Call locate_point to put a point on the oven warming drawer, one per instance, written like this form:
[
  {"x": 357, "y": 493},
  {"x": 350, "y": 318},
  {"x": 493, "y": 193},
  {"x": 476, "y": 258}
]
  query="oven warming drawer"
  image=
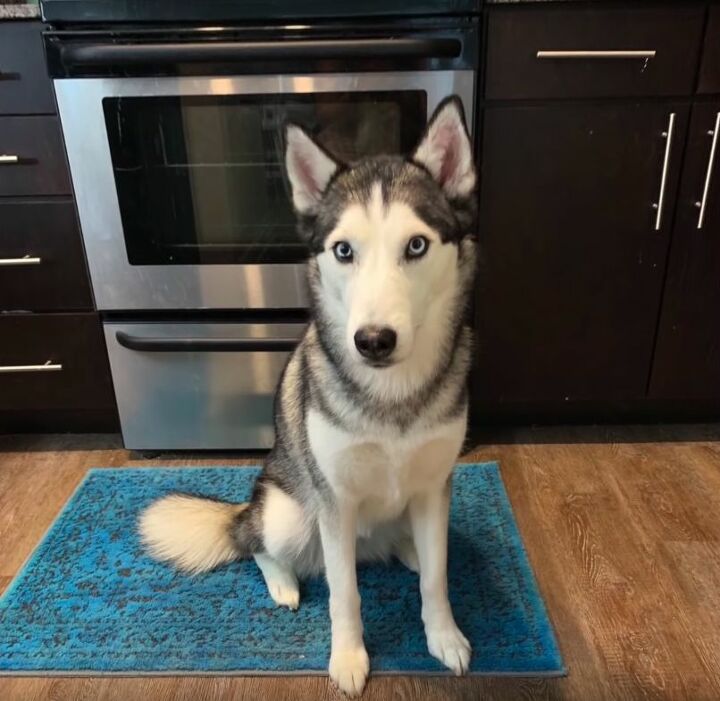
[{"x": 190, "y": 386}]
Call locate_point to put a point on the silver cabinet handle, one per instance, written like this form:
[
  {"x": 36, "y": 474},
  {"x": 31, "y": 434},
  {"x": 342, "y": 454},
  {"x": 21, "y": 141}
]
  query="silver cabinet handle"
[
  {"x": 25, "y": 260},
  {"x": 5, "y": 158},
  {"x": 667, "y": 135},
  {"x": 650, "y": 53},
  {"x": 708, "y": 175},
  {"x": 47, "y": 367}
]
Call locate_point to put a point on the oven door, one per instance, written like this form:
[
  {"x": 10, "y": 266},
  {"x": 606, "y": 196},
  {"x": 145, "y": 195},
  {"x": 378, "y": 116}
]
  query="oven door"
[
  {"x": 179, "y": 181},
  {"x": 184, "y": 386}
]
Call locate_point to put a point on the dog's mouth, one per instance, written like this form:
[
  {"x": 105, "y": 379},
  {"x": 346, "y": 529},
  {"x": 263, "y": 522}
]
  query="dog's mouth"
[{"x": 379, "y": 364}]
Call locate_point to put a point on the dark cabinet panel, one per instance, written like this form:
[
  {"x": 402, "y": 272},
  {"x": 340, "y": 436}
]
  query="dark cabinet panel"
[
  {"x": 516, "y": 35},
  {"x": 687, "y": 358},
  {"x": 24, "y": 84},
  {"x": 42, "y": 267},
  {"x": 72, "y": 345},
  {"x": 570, "y": 284},
  {"x": 710, "y": 68},
  {"x": 33, "y": 157}
]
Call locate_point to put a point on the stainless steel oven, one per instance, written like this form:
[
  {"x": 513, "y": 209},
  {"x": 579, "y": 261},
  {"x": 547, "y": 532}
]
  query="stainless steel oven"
[
  {"x": 179, "y": 183},
  {"x": 175, "y": 143}
]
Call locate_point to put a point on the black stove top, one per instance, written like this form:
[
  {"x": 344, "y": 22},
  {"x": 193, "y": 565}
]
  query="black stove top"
[{"x": 176, "y": 11}]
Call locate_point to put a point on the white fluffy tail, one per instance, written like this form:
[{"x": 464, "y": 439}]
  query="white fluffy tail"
[{"x": 191, "y": 532}]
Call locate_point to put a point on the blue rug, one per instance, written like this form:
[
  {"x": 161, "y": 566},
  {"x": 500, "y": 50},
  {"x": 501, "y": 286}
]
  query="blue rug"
[{"x": 89, "y": 601}]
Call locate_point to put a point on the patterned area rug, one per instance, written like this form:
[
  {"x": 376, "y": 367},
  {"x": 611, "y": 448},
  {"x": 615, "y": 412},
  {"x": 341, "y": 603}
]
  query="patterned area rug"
[{"x": 89, "y": 601}]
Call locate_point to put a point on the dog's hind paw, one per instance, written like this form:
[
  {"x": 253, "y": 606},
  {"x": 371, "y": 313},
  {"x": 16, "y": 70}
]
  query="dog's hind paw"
[
  {"x": 281, "y": 581},
  {"x": 450, "y": 646},
  {"x": 349, "y": 669},
  {"x": 285, "y": 594}
]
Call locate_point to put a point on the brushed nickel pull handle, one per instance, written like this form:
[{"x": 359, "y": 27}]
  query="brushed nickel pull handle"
[
  {"x": 25, "y": 260},
  {"x": 667, "y": 135},
  {"x": 648, "y": 53},
  {"x": 47, "y": 367},
  {"x": 708, "y": 175},
  {"x": 8, "y": 159}
]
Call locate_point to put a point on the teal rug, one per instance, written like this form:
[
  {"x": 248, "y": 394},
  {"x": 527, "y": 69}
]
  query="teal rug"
[{"x": 90, "y": 601}]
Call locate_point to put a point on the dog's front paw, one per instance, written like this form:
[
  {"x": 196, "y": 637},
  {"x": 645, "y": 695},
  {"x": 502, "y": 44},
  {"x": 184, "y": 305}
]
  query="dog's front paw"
[
  {"x": 450, "y": 646},
  {"x": 349, "y": 669}
]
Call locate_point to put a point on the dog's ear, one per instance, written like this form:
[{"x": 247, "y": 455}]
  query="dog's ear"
[
  {"x": 445, "y": 150},
  {"x": 309, "y": 168}
]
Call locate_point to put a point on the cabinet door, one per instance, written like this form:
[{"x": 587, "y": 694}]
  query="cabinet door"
[
  {"x": 687, "y": 357},
  {"x": 574, "y": 246}
]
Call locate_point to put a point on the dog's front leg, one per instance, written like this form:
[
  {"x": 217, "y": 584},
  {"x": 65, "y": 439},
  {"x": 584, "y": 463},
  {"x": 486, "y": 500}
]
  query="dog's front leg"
[
  {"x": 349, "y": 664},
  {"x": 429, "y": 514}
]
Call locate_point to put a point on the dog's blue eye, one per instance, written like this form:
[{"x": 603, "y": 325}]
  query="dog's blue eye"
[
  {"x": 417, "y": 247},
  {"x": 343, "y": 251}
]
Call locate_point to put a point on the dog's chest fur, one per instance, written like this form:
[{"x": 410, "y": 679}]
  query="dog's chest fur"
[{"x": 380, "y": 470}]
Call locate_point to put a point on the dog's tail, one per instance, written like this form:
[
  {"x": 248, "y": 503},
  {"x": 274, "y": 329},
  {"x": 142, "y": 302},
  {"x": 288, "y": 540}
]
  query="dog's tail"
[{"x": 193, "y": 533}]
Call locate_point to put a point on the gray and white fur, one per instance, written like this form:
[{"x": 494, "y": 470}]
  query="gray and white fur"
[{"x": 370, "y": 414}]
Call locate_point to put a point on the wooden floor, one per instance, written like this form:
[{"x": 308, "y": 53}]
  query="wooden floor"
[{"x": 622, "y": 527}]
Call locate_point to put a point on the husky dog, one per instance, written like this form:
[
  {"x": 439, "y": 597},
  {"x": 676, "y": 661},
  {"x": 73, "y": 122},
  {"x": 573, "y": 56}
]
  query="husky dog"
[{"x": 370, "y": 414}]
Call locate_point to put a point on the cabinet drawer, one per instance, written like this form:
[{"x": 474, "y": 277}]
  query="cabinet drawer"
[
  {"x": 555, "y": 52},
  {"x": 710, "y": 67},
  {"x": 70, "y": 346},
  {"x": 32, "y": 157},
  {"x": 24, "y": 84},
  {"x": 42, "y": 267}
]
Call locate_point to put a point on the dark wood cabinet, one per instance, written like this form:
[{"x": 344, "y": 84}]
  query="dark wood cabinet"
[
  {"x": 572, "y": 261},
  {"x": 54, "y": 370},
  {"x": 586, "y": 309},
  {"x": 687, "y": 359}
]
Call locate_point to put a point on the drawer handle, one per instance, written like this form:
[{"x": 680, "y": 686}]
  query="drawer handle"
[
  {"x": 597, "y": 54},
  {"x": 708, "y": 175},
  {"x": 25, "y": 260},
  {"x": 47, "y": 367},
  {"x": 667, "y": 135},
  {"x": 8, "y": 159},
  {"x": 207, "y": 345}
]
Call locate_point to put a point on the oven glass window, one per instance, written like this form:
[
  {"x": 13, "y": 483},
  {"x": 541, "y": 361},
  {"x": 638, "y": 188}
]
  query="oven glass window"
[{"x": 200, "y": 178}]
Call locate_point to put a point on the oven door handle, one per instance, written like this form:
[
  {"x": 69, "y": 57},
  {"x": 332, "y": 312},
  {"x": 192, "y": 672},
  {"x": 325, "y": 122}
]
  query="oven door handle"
[
  {"x": 229, "y": 51},
  {"x": 206, "y": 345}
]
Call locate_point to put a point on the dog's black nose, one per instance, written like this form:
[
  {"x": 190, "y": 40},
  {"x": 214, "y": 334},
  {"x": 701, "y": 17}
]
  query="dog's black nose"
[{"x": 375, "y": 342}]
